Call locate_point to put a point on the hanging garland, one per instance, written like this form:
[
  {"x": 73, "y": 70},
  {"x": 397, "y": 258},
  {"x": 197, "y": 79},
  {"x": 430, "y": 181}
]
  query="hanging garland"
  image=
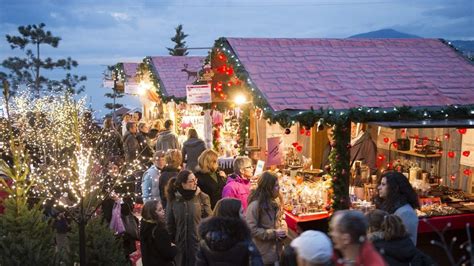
[{"x": 147, "y": 71}]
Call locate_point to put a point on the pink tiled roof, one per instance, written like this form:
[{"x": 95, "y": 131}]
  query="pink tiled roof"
[
  {"x": 130, "y": 69},
  {"x": 172, "y": 78},
  {"x": 344, "y": 73}
]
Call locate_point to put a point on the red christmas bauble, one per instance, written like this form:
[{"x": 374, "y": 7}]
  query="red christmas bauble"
[
  {"x": 295, "y": 144},
  {"x": 451, "y": 154},
  {"x": 462, "y": 130},
  {"x": 452, "y": 177},
  {"x": 299, "y": 148},
  {"x": 302, "y": 131},
  {"x": 466, "y": 153},
  {"x": 386, "y": 140},
  {"x": 446, "y": 136},
  {"x": 395, "y": 145},
  {"x": 308, "y": 133},
  {"x": 467, "y": 171}
]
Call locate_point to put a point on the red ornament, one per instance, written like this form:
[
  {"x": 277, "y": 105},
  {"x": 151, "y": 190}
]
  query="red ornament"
[
  {"x": 295, "y": 144},
  {"x": 451, "y": 154},
  {"x": 229, "y": 71},
  {"x": 390, "y": 166},
  {"x": 403, "y": 131},
  {"x": 395, "y": 145},
  {"x": 467, "y": 171},
  {"x": 438, "y": 139},
  {"x": 381, "y": 157},
  {"x": 462, "y": 130},
  {"x": 229, "y": 84},
  {"x": 308, "y": 133},
  {"x": 221, "y": 56},
  {"x": 466, "y": 153},
  {"x": 302, "y": 131},
  {"x": 386, "y": 140},
  {"x": 299, "y": 148},
  {"x": 446, "y": 136},
  {"x": 416, "y": 137},
  {"x": 452, "y": 177},
  {"x": 287, "y": 131}
]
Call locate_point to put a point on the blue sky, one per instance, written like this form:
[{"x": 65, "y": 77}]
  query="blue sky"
[{"x": 98, "y": 33}]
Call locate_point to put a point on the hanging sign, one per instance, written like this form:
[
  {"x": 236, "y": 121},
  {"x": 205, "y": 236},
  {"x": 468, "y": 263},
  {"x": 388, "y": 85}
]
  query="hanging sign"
[
  {"x": 275, "y": 151},
  {"x": 198, "y": 94},
  {"x": 467, "y": 148}
]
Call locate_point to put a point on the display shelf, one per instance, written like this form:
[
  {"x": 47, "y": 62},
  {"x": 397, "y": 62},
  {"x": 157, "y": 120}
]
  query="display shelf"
[{"x": 412, "y": 153}]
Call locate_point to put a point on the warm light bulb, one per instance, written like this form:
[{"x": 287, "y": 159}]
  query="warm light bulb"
[{"x": 240, "y": 99}]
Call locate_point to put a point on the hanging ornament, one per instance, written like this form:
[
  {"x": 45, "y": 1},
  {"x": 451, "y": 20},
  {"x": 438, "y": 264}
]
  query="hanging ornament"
[
  {"x": 287, "y": 131},
  {"x": 202, "y": 113},
  {"x": 467, "y": 171},
  {"x": 451, "y": 154},
  {"x": 438, "y": 139},
  {"x": 446, "y": 136},
  {"x": 302, "y": 131},
  {"x": 403, "y": 131},
  {"x": 381, "y": 157},
  {"x": 466, "y": 153},
  {"x": 308, "y": 133},
  {"x": 390, "y": 165},
  {"x": 386, "y": 140},
  {"x": 416, "y": 137},
  {"x": 299, "y": 148},
  {"x": 395, "y": 144},
  {"x": 462, "y": 131},
  {"x": 295, "y": 144},
  {"x": 221, "y": 56},
  {"x": 452, "y": 177}
]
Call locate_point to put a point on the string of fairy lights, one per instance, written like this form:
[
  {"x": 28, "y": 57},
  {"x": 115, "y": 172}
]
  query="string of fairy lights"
[{"x": 52, "y": 142}]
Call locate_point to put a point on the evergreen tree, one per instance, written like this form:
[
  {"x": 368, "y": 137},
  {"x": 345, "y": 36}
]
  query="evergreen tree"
[
  {"x": 102, "y": 246},
  {"x": 26, "y": 238},
  {"x": 116, "y": 92},
  {"x": 27, "y": 71},
  {"x": 180, "y": 47}
]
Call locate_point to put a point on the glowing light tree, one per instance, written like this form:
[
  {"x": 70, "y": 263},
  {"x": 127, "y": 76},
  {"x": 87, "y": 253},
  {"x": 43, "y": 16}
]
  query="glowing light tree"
[{"x": 56, "y": 156}]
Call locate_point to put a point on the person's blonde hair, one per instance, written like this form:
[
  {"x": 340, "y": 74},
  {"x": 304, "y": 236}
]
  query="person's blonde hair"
[
  {"x": 207, "y": 161},
  {"x": 158, "y": 125},
  {"x": 174, "y": 158}
]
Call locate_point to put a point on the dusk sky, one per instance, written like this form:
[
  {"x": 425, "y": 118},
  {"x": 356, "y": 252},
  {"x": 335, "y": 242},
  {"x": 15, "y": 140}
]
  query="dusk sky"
[{"x": 98, "y": 33}]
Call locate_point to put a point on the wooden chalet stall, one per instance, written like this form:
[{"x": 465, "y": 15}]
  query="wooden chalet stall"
[{"x": 392, "y": 89}]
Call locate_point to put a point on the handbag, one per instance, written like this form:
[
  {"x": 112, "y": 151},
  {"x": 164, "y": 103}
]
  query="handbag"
[{"x": 131, "y": 226}]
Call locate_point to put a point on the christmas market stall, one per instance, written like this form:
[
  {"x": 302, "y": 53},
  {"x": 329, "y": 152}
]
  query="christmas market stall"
[
  {"x": 386, "y": 104},
  {"x": 161, "y": 83}
]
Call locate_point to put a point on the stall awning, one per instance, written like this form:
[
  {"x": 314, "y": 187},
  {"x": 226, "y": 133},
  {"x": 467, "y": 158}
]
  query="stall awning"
[{"x": 461, "y": 123}]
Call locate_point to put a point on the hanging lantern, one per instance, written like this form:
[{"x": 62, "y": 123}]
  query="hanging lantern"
[
  {"x": 462, "y": 131},
  {"x": 451, "y": 154},
  {"x": 466, "y": 153}
]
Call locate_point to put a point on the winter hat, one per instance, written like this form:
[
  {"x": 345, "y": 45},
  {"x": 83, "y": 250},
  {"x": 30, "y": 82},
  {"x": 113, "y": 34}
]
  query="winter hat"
[{"x": 313, "y": 246}]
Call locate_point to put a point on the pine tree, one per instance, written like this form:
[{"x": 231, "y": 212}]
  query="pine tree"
[
  {"x": 102, "y": 246},
  {"x": 25, "y": 236},
  {"x": 180, "y": 49},
  {"x": 27, "y": 71},
  {"x": 116, "y": 93}
]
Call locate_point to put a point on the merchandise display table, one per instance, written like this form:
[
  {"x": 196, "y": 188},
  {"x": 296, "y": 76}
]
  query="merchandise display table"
[{"x": 458, "y": 221}]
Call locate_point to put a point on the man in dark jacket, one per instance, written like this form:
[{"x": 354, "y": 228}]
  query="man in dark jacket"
[
  {"x": 130, "y": 143},
  {"x": 167, "y": 139}
]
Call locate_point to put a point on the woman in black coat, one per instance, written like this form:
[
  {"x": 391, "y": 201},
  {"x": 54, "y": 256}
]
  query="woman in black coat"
[
  {"x": 173, "y": 164},
  {"x": 226, "y": 238},
  {"x": 156, "y": 246},
  {"x": 210, "y": 181}
]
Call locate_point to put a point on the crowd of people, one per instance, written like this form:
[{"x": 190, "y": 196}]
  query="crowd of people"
[{"x": 195, "y": 214}]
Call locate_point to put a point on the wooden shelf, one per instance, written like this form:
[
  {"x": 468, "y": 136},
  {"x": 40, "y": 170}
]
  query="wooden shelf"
[{"x": 412, "y": 153}]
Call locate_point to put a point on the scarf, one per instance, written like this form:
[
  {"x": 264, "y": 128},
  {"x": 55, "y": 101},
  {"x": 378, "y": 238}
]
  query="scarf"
[
  {"x": 116, "y": 223},
  {"x": 187, "y": 194}
]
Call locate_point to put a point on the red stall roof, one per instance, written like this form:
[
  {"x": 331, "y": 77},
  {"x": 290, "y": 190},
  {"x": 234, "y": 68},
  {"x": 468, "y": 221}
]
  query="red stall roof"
[{"x": 343, "y": 73}]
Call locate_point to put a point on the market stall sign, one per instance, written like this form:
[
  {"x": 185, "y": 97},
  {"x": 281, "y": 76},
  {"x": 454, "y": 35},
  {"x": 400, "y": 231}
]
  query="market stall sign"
[{"x": 198, "y": 94}]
